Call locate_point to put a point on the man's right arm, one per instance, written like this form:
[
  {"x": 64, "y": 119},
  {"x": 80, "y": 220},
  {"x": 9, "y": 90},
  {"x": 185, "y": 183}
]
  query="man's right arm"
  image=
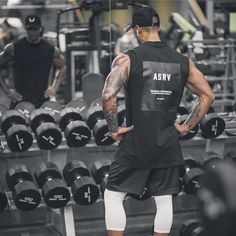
[
  {"x": 198, "y": 85},
  {"x": 7, "y": 59}
]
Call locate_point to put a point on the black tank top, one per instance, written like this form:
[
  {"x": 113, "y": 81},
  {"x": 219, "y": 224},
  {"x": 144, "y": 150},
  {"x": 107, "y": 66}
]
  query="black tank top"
[
  {"x": 153, "y": 92},
  {"x": 32, "y": 68}
]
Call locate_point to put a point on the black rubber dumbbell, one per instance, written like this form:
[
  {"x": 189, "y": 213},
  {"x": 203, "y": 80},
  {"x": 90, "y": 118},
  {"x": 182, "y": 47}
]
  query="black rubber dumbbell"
[
  {"x": 191, "y": 174},
  {"x": 97, "y": 123},
  {"x": 54, "y": 107},
  {"x": 3, "y": 199},
  {"x": 182, "y": 116},
  {"x": 47, "y": 133},
  {"x": 54, "y": 189},
  {"x": 212, "y": 125},
  {"x": 230, "y": 156},
  {"x": 25, "y": 108},
  {"x": 18, "y": 135},
  {"x": 76, "y": 131},
  {"x": 209, "y": 160},
  {"x": 20, "y": 181},
  {"x": 191, "y": 227},
  {"x": 99, "y": 171},
  {"x": 83, "y": 187}
]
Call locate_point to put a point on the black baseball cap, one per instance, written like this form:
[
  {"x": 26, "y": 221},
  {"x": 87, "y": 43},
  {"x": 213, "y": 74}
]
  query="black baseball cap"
[
  {"x": 32, "y": 21},
  {"x": 144, "y": 17}
]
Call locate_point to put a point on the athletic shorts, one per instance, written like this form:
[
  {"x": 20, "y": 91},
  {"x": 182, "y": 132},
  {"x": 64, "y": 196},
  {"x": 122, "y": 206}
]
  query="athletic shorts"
[{"x": 163, "y": 181}]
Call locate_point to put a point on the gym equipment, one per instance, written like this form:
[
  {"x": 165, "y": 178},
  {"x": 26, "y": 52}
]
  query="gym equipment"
[
  {"x": 83, "y": 188},
  {"x": 192, "y": 175},
  {"x": 230, "y": 157},
  {"x": 25, "y": 108},
  {"x": 209, "y": 160},
  {"x": 96, "y": 122},
  {"x": 18, "y": 135},
  {"x": 99, "y": 171},
  {"x": 217, "y": 200},
  {"x": 3, "y": 199},
  {"x": 191, "y": 227},
  {"x": 20, "y": 181},
  {"x": 212, "y": 125},
  {"x": 54, "y": 190},
  {"x": 54, "y": 107},
  {"x": 189, "y": 162},
  {"x": 76, "y": 131},
  {"x": 47, "y": 134}
]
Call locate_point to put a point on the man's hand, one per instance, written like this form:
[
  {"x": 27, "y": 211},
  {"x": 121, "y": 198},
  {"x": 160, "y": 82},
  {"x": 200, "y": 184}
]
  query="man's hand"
[
  {"x": 117, "y": 136},
  {"x": 14, "y": 96},
  {"x": 50, "y": 92},
  {"x": 182, "y": 129}
]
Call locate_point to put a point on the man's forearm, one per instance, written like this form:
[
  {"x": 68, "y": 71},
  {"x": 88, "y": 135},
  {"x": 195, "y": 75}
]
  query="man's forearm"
[
  {"x": 4, "y": 85},
  {"x": 60, "y": 76},
  {"x": 200, "y": 109},
  {"x": 110, "y": 112}
]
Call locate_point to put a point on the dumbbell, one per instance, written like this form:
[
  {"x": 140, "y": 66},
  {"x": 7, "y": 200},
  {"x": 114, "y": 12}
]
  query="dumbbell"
[
  {"x": 98, "y": 124},
  {"x": 191, "y": 174},
  {"x": 54, "y": 189},
  {"x": 209, "y": 160},
  {"x": 20, "y": 181},
  {"x": 3, "y": 199},
  {"x": 84, "y": 190},
  {"x": 54, "y": 107},
  {"x": 76, "y": 131},
  {"x": 182, "y": 115},
  {"x": 216, "y": 197},
  {"x": 25, "y": 108},
  {"x": 18, "y": 135},
  {"x": 212, "y": 125},
  {"x": 191, "y": 227},
  {"x": 47, "y": 133},
  {"x": 99, "y": 171},
  {"x": 230, "y": 157}
]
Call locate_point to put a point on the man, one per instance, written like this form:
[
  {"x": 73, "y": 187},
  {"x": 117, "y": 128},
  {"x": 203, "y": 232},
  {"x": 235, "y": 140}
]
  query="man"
[
  {"x": 149, "y": 153},
  {"x": 34, "y": 61}
]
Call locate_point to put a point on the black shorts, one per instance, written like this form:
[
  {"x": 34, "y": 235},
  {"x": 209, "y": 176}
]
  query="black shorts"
[{"x": 132, "y": 180}]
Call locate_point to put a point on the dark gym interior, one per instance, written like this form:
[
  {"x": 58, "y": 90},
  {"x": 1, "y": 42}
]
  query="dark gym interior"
[{"x": 88, "y": 33}]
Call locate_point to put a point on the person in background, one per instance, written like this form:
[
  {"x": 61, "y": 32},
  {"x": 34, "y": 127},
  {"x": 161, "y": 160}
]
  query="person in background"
[{"x": 38, "y": 66}]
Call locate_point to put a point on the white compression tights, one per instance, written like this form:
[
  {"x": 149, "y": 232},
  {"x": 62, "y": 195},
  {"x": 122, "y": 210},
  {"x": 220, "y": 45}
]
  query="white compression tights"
[{"x": 115, "y": 216}]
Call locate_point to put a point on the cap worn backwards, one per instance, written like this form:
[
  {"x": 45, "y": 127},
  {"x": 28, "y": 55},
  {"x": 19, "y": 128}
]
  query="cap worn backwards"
[
  {"x": 144, "y": 17},
  {"x": 32, "y": 21}
]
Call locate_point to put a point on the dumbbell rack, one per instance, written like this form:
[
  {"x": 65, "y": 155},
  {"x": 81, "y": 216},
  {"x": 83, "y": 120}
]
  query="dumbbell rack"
[
  {"x": 66, "y": 215},
  {"x": 227, "y": 58}
]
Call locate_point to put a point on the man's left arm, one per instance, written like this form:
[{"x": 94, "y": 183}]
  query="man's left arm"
[
  {"x": 59, "y": 64},
  {"x": 117, "y": 77}
]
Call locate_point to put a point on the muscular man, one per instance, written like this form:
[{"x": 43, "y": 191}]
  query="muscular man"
[
  {"x": 34, "y": 61},
  {"x": 149, "y": 152}
]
